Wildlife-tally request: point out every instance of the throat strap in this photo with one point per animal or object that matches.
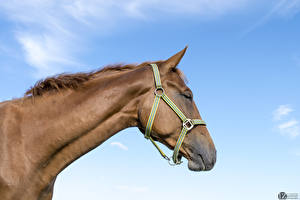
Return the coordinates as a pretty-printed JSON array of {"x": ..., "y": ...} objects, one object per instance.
[{"x": 187, "y": 124}]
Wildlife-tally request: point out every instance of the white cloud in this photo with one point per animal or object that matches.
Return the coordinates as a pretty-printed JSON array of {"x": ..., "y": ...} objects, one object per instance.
[
  {"x": 282, "y": 8},
  {"x": 45, "y": 53},
  {"x": 84, "y": 9},
  {"x": 44, "y": 33},
  {"x": 289, "y": 8},
  {"x": 51, "y": 32},
  {"x": 290, "y": 128},
  {"x": 132, "y": 189},
  {"x": 120, "y": 145},
  {"x": 288, "y": 124},
  {"x": 281, "y": 111}
]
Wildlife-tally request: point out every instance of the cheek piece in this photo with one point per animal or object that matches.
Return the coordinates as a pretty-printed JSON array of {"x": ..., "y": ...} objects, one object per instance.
[{"x": 187, "y": 124}]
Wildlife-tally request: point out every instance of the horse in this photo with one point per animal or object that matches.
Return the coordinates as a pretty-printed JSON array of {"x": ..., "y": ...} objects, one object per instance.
[{"x": 63, "y": 117}]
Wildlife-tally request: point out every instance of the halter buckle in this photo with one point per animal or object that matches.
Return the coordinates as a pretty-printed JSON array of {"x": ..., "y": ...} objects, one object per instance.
[
  {"x": 159, "y": 91},
  {"x": 188, "y": 124}
]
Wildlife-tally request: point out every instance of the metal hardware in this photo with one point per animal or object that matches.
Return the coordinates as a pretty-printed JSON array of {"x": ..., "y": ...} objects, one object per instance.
[
  {"x": 159, "y": 92},
  {"x": 188, "y": 124}
]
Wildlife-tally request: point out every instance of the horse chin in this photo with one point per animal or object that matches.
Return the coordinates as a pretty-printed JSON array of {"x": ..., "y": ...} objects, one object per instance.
[{"x": 196, "y": 164}]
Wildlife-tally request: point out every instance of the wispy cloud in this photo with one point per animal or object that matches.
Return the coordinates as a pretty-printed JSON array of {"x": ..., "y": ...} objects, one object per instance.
[
  {"x": 289, "y": 9},
  {"x": 51, "y": 32},
  {"x": 120, "y": 145},
  {"x": 45, "y": 53},
  {"x": 281, "y": 111},
  {"x": 290, "y": 128},
  {"x": 44, "y": 34},
  {"x": 282, "y": 8},
  {"x": 132, "y": 189}
]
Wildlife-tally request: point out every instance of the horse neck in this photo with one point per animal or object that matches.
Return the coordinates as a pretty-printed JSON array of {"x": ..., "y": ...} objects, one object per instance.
[{"x": 61, "y": 128}]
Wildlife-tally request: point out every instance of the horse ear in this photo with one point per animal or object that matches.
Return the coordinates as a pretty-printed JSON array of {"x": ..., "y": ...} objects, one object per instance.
[{"x": 173, "y": 61}]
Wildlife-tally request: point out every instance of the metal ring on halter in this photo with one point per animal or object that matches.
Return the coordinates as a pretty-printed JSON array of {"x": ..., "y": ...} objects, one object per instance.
[
  {"x": 171, "y": 161},
  {"x": 159, "y": 89},
  {"x": 188, "y": 124},
  {"x": 174, "y": 164}
]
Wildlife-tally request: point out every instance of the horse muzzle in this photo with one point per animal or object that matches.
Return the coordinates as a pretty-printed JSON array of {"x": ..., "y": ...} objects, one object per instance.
[{"x": 202, "y": 155}]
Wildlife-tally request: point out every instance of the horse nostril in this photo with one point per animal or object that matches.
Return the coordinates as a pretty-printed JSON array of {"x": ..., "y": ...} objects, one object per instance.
[
  {"x": 210, "y": 160},
  {"x": 211, "y": 164}
]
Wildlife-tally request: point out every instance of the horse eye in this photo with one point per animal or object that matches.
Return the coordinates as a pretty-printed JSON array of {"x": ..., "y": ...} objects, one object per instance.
[{"x": 188, "y": 95}]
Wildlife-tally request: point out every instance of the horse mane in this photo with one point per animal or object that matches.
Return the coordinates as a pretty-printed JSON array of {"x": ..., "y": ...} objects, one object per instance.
[
  {"x": 70, "y": 81},
  {"x": 73, "y": 81}
]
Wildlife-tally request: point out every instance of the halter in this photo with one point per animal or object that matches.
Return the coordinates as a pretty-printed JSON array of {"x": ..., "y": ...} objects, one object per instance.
[{"x": 187, "y": 124}]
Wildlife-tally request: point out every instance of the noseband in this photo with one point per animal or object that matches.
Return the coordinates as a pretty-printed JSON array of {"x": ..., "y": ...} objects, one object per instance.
[{"x": 187, "y": 124}]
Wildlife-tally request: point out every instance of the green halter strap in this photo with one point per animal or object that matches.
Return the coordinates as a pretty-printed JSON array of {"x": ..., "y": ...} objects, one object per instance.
[{"x": 187, "y": 124}]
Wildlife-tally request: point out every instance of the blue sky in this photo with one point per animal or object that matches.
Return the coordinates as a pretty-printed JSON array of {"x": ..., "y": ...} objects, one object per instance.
[{"x": 243, "y": 65}]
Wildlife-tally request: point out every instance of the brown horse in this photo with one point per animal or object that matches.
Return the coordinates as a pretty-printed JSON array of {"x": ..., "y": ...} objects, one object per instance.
[{"x": 66, "y": 116}]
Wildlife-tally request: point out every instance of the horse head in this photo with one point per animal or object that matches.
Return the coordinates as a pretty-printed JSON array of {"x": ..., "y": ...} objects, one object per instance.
[{"x": 176, "y": 129}]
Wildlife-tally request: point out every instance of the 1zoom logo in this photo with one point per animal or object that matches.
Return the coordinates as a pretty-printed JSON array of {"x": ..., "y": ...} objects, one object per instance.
[{"x": 282, "y": 195}]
